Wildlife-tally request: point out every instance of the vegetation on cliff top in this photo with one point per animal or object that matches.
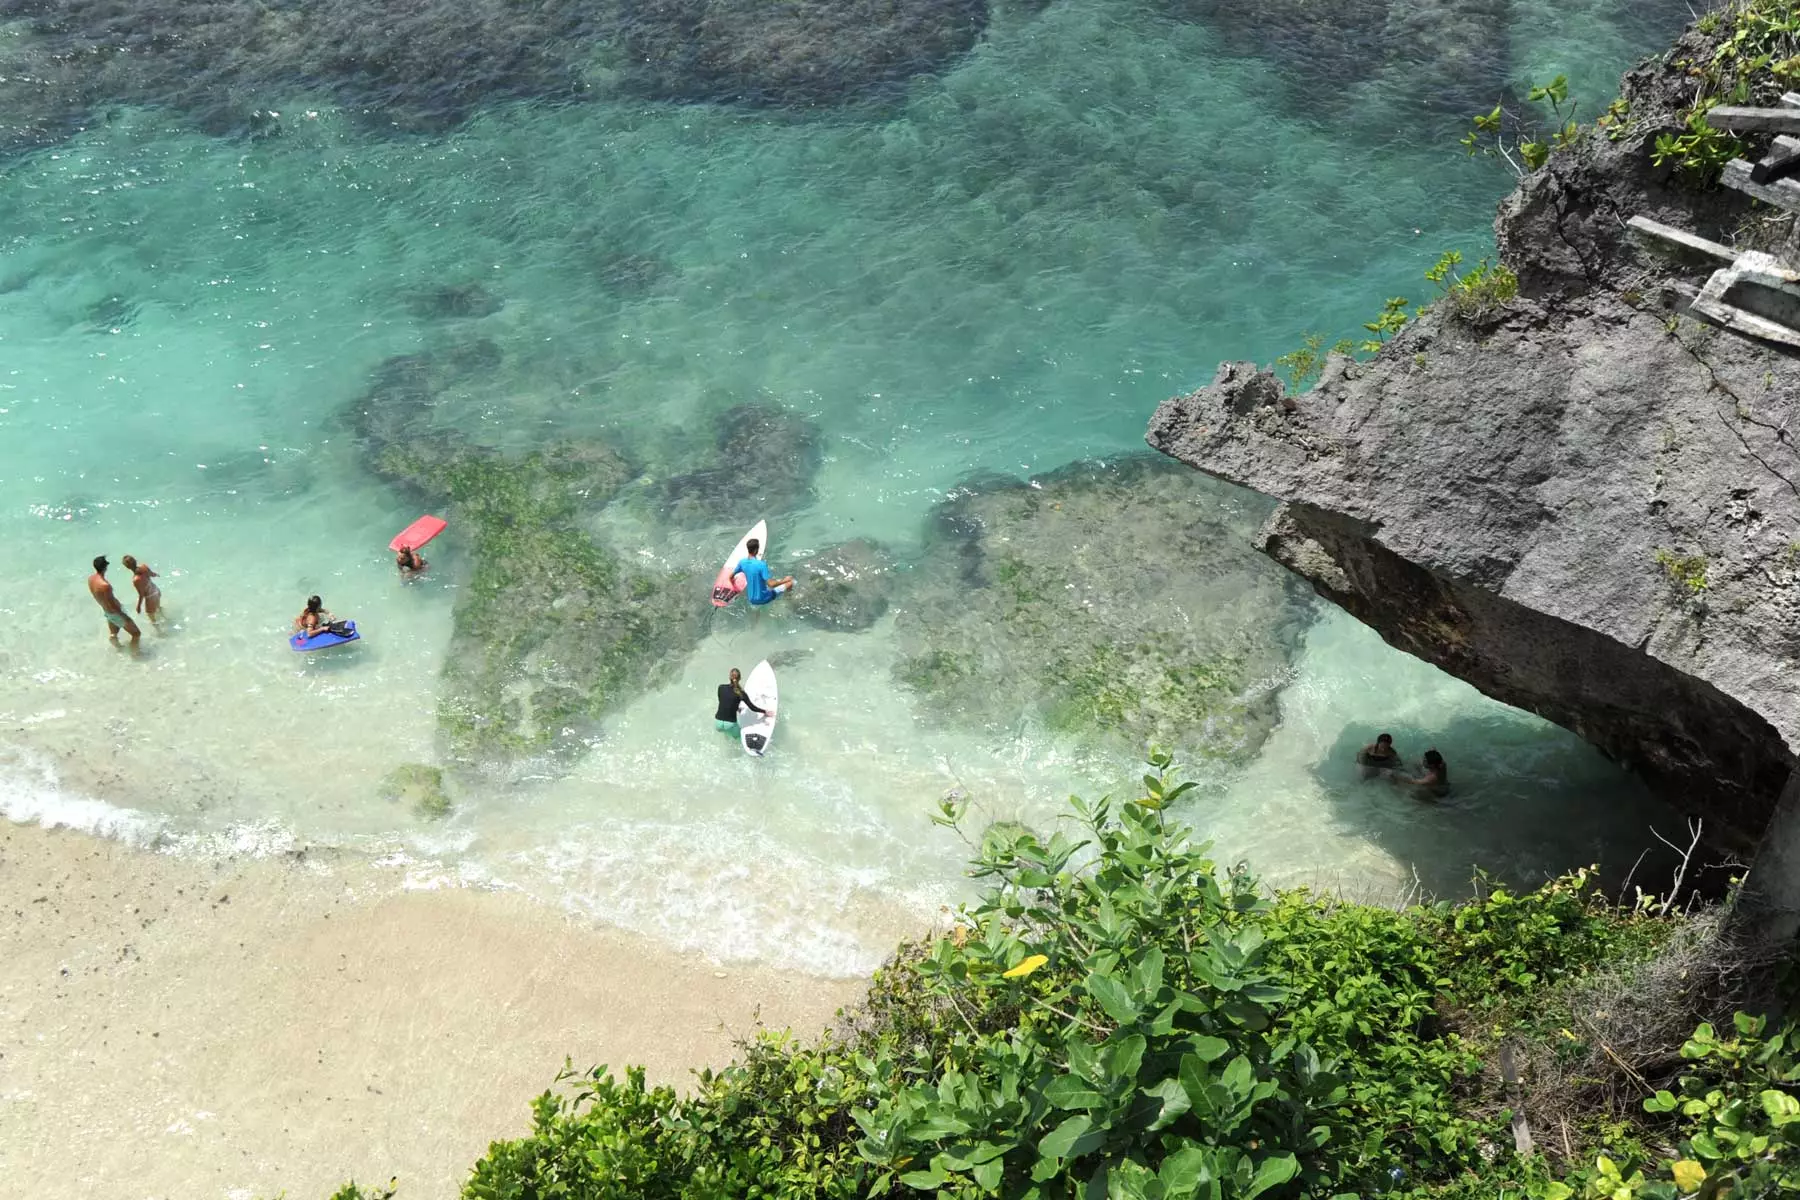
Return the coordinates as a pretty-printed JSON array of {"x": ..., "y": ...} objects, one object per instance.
[{"x": 1120, "y": 1017}]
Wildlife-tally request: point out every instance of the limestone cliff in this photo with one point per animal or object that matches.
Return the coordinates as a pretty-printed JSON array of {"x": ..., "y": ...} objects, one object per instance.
[{"x": 1582, "y": 501}]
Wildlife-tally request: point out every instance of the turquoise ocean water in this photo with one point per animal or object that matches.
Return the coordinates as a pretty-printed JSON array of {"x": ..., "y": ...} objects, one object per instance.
[{"x": 1004, "y": 268}]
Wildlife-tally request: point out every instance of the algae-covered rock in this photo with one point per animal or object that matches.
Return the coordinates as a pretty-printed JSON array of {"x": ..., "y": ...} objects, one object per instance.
[
  {"x": 1116, "y": 600},
  {"x": 419, "y": 787},
  {"x": 844, "y": 587},
  {"x": 764, "y": 458},
  {"x": 552, "y": 629}
]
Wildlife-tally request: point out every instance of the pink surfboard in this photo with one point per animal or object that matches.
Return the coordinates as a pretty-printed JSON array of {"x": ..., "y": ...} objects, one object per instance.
[
  {"x": 418, "y": 533},
  {"x": 728, "y": 586}
]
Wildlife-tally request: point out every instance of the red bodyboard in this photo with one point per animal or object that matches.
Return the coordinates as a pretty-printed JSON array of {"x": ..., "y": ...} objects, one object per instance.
[{"x": 418, "y": 533}]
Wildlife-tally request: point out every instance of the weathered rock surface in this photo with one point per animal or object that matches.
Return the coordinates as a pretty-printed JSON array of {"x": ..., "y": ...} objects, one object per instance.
[
  {"x": 1114, "y": 600},
  {"x": 1584, "y": 504}
]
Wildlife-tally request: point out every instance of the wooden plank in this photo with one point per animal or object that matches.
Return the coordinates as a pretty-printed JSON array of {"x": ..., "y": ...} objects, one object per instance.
[
  {"x": 1790, "y": 99},
  {"x": 1754, "y": 120},
  {"x": 1783, "y": 159},
  {"x": 1681, "y": 239},
  {"x": 1782, "y": 193}
]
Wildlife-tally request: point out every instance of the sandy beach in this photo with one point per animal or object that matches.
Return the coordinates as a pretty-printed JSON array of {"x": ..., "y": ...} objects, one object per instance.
[{"x": 177, "y": 1028}]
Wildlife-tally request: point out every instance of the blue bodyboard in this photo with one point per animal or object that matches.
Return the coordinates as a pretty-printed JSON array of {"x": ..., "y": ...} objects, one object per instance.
[{"x": 325, "y": 639}]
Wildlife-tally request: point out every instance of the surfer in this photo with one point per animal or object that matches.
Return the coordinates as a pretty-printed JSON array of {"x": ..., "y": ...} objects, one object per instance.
[
  {"x": 1378, "y": 756},
  {"x": 1433, "y": 784},
  {"x": 410, "y": 562},
  {"x": 149, "y": 595},
  {"x": 731, "y": 696},
  {"x": 757, "y": 588},
  {"x": 116, "y": 616},
  {"x": 313, "y": 618}
]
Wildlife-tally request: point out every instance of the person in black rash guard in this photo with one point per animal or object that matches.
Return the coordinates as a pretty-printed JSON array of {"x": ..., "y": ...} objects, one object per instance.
[{"x": 731, "y": 695}]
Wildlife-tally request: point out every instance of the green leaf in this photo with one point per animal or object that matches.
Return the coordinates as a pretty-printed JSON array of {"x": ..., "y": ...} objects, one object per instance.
[
  {"x": 1209, "y": 1049},
  {"x": 1113, "y": 997},
  {"x": 1147, "y": 973},
  {"x": 1128, "y": 1057},
  {"x": 1184, "y": 1170},
  {"x": 1070, "y": 1091},
  {"x": 1273, "y": 1172},
  {"x": 1060, "y": 1141},
  {"x": 1780, "y": 1106},
  {"x": 987, "y": 1175},
  {"x": 1174, "y": 1100}
]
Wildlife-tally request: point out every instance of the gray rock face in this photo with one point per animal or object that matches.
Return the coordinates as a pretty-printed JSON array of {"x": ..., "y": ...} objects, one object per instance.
[{"x": 1585, "y": 504}]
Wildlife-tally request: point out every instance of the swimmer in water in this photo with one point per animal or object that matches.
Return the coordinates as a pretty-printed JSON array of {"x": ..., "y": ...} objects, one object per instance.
[
  {"x": 410, "y": 562},
  {"x": 1378, "y": 756},
  {"x": 313, "y": 618},
  {"x": 731, "y": 696},
  {"x": 149, "y": 595},
  {"x": 758, "y": 590},
  {"x": 1434, "y": 784}
]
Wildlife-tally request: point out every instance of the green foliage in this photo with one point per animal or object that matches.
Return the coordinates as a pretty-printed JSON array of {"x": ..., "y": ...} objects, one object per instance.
[
  {"x": 1481, "y": 290},
  {"x": 1115, "y": 1016},
  {"x": 1533, "y": 136},
  {"x": 1392, "y": 320},
  {"x": 1303, "y": 365},
  {"x": 1700, "y": 153},
  {"x": 1688, "y": 570}
]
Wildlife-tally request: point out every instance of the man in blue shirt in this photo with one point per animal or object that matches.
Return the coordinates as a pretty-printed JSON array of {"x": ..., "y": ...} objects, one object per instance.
[{"x": 757, "y": 588}]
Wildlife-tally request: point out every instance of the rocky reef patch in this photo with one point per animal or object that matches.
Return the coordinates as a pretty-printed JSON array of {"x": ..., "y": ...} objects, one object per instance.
[
  {"x": 229, "y": 67},
  {"x": 791, "y": 52},
  {"x": 1112, "y": 600},
  {"x": 761, "y": 463},
  {"x": 552, "y": 629}
]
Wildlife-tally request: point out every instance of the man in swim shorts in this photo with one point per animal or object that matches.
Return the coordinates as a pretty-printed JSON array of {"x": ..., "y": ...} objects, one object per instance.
[
  {"x": 116, "y": 616},
  {"x": 757, "y": 588},
  {"x": 731, "y": 695}
]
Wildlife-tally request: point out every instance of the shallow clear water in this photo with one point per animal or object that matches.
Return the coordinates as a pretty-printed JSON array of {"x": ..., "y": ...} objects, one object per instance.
[{"x": 1006, "y": 270}]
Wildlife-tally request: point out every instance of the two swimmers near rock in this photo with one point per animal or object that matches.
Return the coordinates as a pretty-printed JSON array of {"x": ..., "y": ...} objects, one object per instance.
[{"x": 1380, "y": 758}]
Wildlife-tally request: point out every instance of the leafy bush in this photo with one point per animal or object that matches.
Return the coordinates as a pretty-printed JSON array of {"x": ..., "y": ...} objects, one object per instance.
[{"x": 1115, "y": 1016}]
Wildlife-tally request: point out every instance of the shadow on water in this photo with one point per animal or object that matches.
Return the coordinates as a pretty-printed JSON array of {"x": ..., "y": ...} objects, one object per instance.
[{"x": 1527, "y": 801}]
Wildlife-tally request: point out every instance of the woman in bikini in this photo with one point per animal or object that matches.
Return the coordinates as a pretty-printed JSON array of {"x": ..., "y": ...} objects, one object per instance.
[
  {"x": 149, "y": 594},
  {"x": 313, "y": 618}
]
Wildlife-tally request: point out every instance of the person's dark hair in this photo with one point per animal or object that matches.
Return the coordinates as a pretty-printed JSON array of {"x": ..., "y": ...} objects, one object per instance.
[
  {"x": 753, "y": 545},
  {"x": 1384, "y": 739},
  {"x": 131, "y": 564},
  {"x": 734, "y": 674},
  {"x": 314, "y": 604},
  {"x": 100, "y": 565},
  {"x": 1433, "y": 759}
]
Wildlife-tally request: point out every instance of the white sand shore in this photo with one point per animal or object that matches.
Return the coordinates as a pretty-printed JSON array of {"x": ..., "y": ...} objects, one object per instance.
[{"x": 170, "y": 1028}]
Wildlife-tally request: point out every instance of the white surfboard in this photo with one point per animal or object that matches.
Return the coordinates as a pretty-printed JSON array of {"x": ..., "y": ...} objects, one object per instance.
[
  {"x": 725, "y": 587},
  {"x": 756, "y": 729}
]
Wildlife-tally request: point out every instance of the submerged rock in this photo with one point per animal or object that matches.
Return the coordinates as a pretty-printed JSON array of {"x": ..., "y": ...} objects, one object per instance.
[
  {"x": 418, "y": 787},
  {"x": 1581, "y": 501},
  {"x": 763, "y": 462},
  {"x": 552, "y": 630},
  {"x": 791, "y": 51},
  {"x": 843, "y": 587},
  {"x": 454, "y": 301},
  {"x": 1443, "y": 57},
  {"x": 1112, "y": 600}
]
